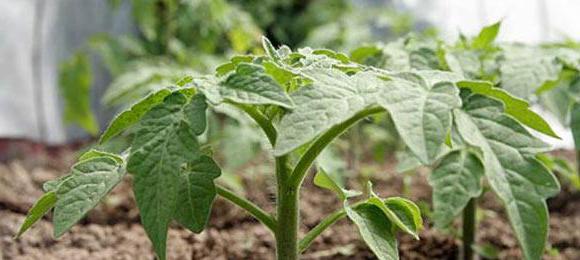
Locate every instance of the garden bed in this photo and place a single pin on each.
(113, 231)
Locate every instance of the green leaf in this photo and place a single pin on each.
(270, 50)
(322, 180)
(232, 64)
(516, 107)
(407, 211)
(513, 172)
(39, 209)
(75, 79)
(96, 153)
(455, 180)
(421, 110)
(575, 124)
(486, 36)
(250, 84)
(165, 140)
(90, 180)
(375, 229)
(366, 54)
(525, 69)
(402, 213)
(332, 98)
(197, 193)
(132, 114)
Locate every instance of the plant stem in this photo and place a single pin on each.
(577, 162)
(318, 229)
(297, 176)
(288, 217)
(469, 228)
(250, 207)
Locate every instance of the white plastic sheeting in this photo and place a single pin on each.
(36, 35)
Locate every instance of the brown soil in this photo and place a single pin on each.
(112, 230)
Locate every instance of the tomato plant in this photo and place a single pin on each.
(486, 139)
(303, 100)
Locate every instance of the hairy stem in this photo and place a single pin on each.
(318, 229)
(469, 228)
(297, 176)
(250, 207)
(288, 215)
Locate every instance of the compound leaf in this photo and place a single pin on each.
(516, 176)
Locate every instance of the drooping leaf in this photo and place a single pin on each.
(455, 180)
(515, 175)
(75, 80)
(516, 107)
(250, 84)
(165, 140)
(196, 193)
(90, 180)
(39, 209)
(375, 229)
(322, 180)
(486, 36)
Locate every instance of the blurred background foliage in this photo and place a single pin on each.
(177, 38)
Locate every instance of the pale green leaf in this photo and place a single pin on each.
(96, 153)
(516, 107)
(90, 180)
(516, 176)
(486, 36)
(39, 209)
(421, 110)
(525, 69)
(249, 84)
(455, 180)
(331, 99)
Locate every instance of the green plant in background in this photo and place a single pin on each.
(483, 145)
(303, 100)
